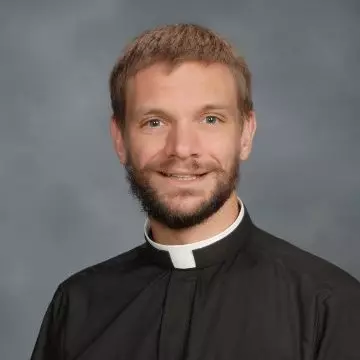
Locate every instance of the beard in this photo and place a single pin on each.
(155, 207)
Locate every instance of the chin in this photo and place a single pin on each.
(184, 202)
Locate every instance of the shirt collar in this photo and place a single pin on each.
(184, 256)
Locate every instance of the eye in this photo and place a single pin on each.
(211, 119)
(153, 123)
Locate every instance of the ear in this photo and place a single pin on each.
(247, 136)
(118, 140)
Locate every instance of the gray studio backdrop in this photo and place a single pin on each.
(64, 203)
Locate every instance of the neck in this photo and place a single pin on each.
(212, 226)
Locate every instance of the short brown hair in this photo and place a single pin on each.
(175, 44)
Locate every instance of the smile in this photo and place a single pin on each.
(183, 177)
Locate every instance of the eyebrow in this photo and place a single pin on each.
(211, 107)
(145, 111)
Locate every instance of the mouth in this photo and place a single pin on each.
(183, 177)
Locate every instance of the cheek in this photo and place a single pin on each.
(225, 152)
(144, 153)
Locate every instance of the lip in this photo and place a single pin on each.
(179, 180)
(181, 174)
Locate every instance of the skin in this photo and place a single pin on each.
(185, 121)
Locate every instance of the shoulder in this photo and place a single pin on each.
(102, 288)
(89, 299)
(300, 264)
(108, 268)
(110, 277)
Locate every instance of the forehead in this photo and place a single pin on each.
(189, 84)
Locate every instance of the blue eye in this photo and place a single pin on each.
(211, 119)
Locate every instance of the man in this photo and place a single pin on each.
(206, 283)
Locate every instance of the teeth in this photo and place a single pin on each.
(183, 177)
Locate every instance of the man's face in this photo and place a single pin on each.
(182, 143)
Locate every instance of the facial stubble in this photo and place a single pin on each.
(154, 207)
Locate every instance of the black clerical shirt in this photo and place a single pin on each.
(248, 296)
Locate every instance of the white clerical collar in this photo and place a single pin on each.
(182, 255)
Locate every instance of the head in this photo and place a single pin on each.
(182, 122)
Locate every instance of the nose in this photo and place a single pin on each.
(181, 141)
